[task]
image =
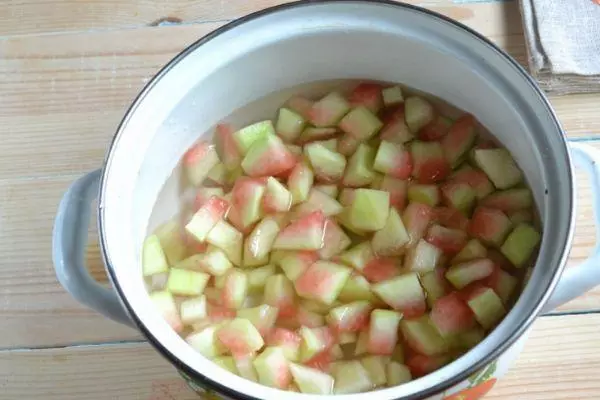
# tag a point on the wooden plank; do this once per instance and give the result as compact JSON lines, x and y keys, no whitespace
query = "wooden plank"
{"x":137,"y":372}
{"x":63,"y":99}
{"x":51,"y":16}
{"x":75,"y":88}
{"x":67,"y":125}
{"x":34,"y":309}
{"x":31,"y":296}
{"x":560,"y":361}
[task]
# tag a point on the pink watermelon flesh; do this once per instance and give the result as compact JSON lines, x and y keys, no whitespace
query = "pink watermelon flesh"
{"x":435,"y":285}
{"x":435,"y":130}
{"x":260,"y":241}
{"x":346,"y":196}
{"x":330,"y":190}
{"x":503,"y":283}
{"x":289,"y":124}
{"x":472,"y":250}
{"x":300,"y":105}
{"x":312,"y":134}
{"x":309,"y":318}
{"x":295,"y":263}
{"x":286,"y":339}
{"x":360,"y":123}
{"x":420,"y":364}
{"x":328,"y":165}
{"x":247,"y":197}
{"x":419,"y":113}
{"x":272,"y":368}
{"x":392,"y":238}
{"x":451,"y":315}
{"x":240,"y":337}
{"x":422,"y":336}
{"x":393,"y":160}
{"x":300,"y":181}
{"x":477,"y":179}
{"x":235,"y":289}
{"x":359,"y":171}
{"x":509,"y":200}
{"x":218,"y":313}
{"x":416,"y":218}
{"x":267,"y":157}
{"x":262,"y":317}
{"x":335,"y":240}
{"x":203,"y":194}
{"x":490,"y":225}
{"x":487,"y":307}
{"x":460,"y":138}
{"x":521,"y":216}
{"x":207,"y":217}
{"x":226,"y":147}
{"x":245,"y":137}
{"x":460,"y":196}
{"x":392,"y":96}
{"x":383,"y":332}
{"x":462,"y":275}
{"x":276,"y":198}
{"x":322,"y":281}
{"x":450,"y":241}
{"x":395,"y":129}
{"x":450,"y":218}
{"x":403,"y":293}
{"x":381,"y":269}
{"x":397,"y":189}
{"x":198,"y":161}
{"x":423,"y":258}
{"x":351,"y":317}
{"x":429,"y":163}
{"x":329,"y":110}
{"x":426,"y":194}
{"x":279,"y":292}
{"x":305,"y":233}
{"x":347,"y":145}
{"x":368,"y":95}
{"x":358,"y":256}
{"x":165,"y":305}
{"x":316,"y":201}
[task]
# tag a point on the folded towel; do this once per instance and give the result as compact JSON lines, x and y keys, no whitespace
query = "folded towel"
{"x":563,"y":44}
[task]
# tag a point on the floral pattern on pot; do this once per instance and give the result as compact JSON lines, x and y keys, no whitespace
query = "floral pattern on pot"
{"x":474,"y":388}
{"x":480,"y":383}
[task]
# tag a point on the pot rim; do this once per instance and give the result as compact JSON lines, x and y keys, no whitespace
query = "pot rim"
{"x":515,"y":334}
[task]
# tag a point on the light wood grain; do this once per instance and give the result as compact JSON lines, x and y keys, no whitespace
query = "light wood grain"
{"x":49,"y":16}
{"x":560,"y":361}
{"x":34,"y":309}
{"x":137,"y":372}
{"x":63,"y":96}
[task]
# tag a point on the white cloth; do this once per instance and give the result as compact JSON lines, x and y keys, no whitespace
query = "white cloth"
{"x":563,"y":44}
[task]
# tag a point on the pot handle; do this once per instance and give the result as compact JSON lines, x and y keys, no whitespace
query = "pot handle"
{"x":69,"y":241}
{"x":578,"y":280}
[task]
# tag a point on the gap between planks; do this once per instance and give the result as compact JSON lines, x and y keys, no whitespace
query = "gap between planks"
{"x":48,"y":17}
{"x":101,"y":344}
{"x":559,"y":362}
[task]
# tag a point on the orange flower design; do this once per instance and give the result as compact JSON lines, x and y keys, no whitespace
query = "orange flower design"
{"x":475,"y":392}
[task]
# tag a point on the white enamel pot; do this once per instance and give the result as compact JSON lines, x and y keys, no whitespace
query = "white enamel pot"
{"x":294,"y":44}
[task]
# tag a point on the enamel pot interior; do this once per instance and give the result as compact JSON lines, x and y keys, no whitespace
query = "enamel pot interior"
{"x":311,"y":41}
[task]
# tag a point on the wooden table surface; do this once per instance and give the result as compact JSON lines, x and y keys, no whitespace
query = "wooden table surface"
{"x":68,"y":71}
